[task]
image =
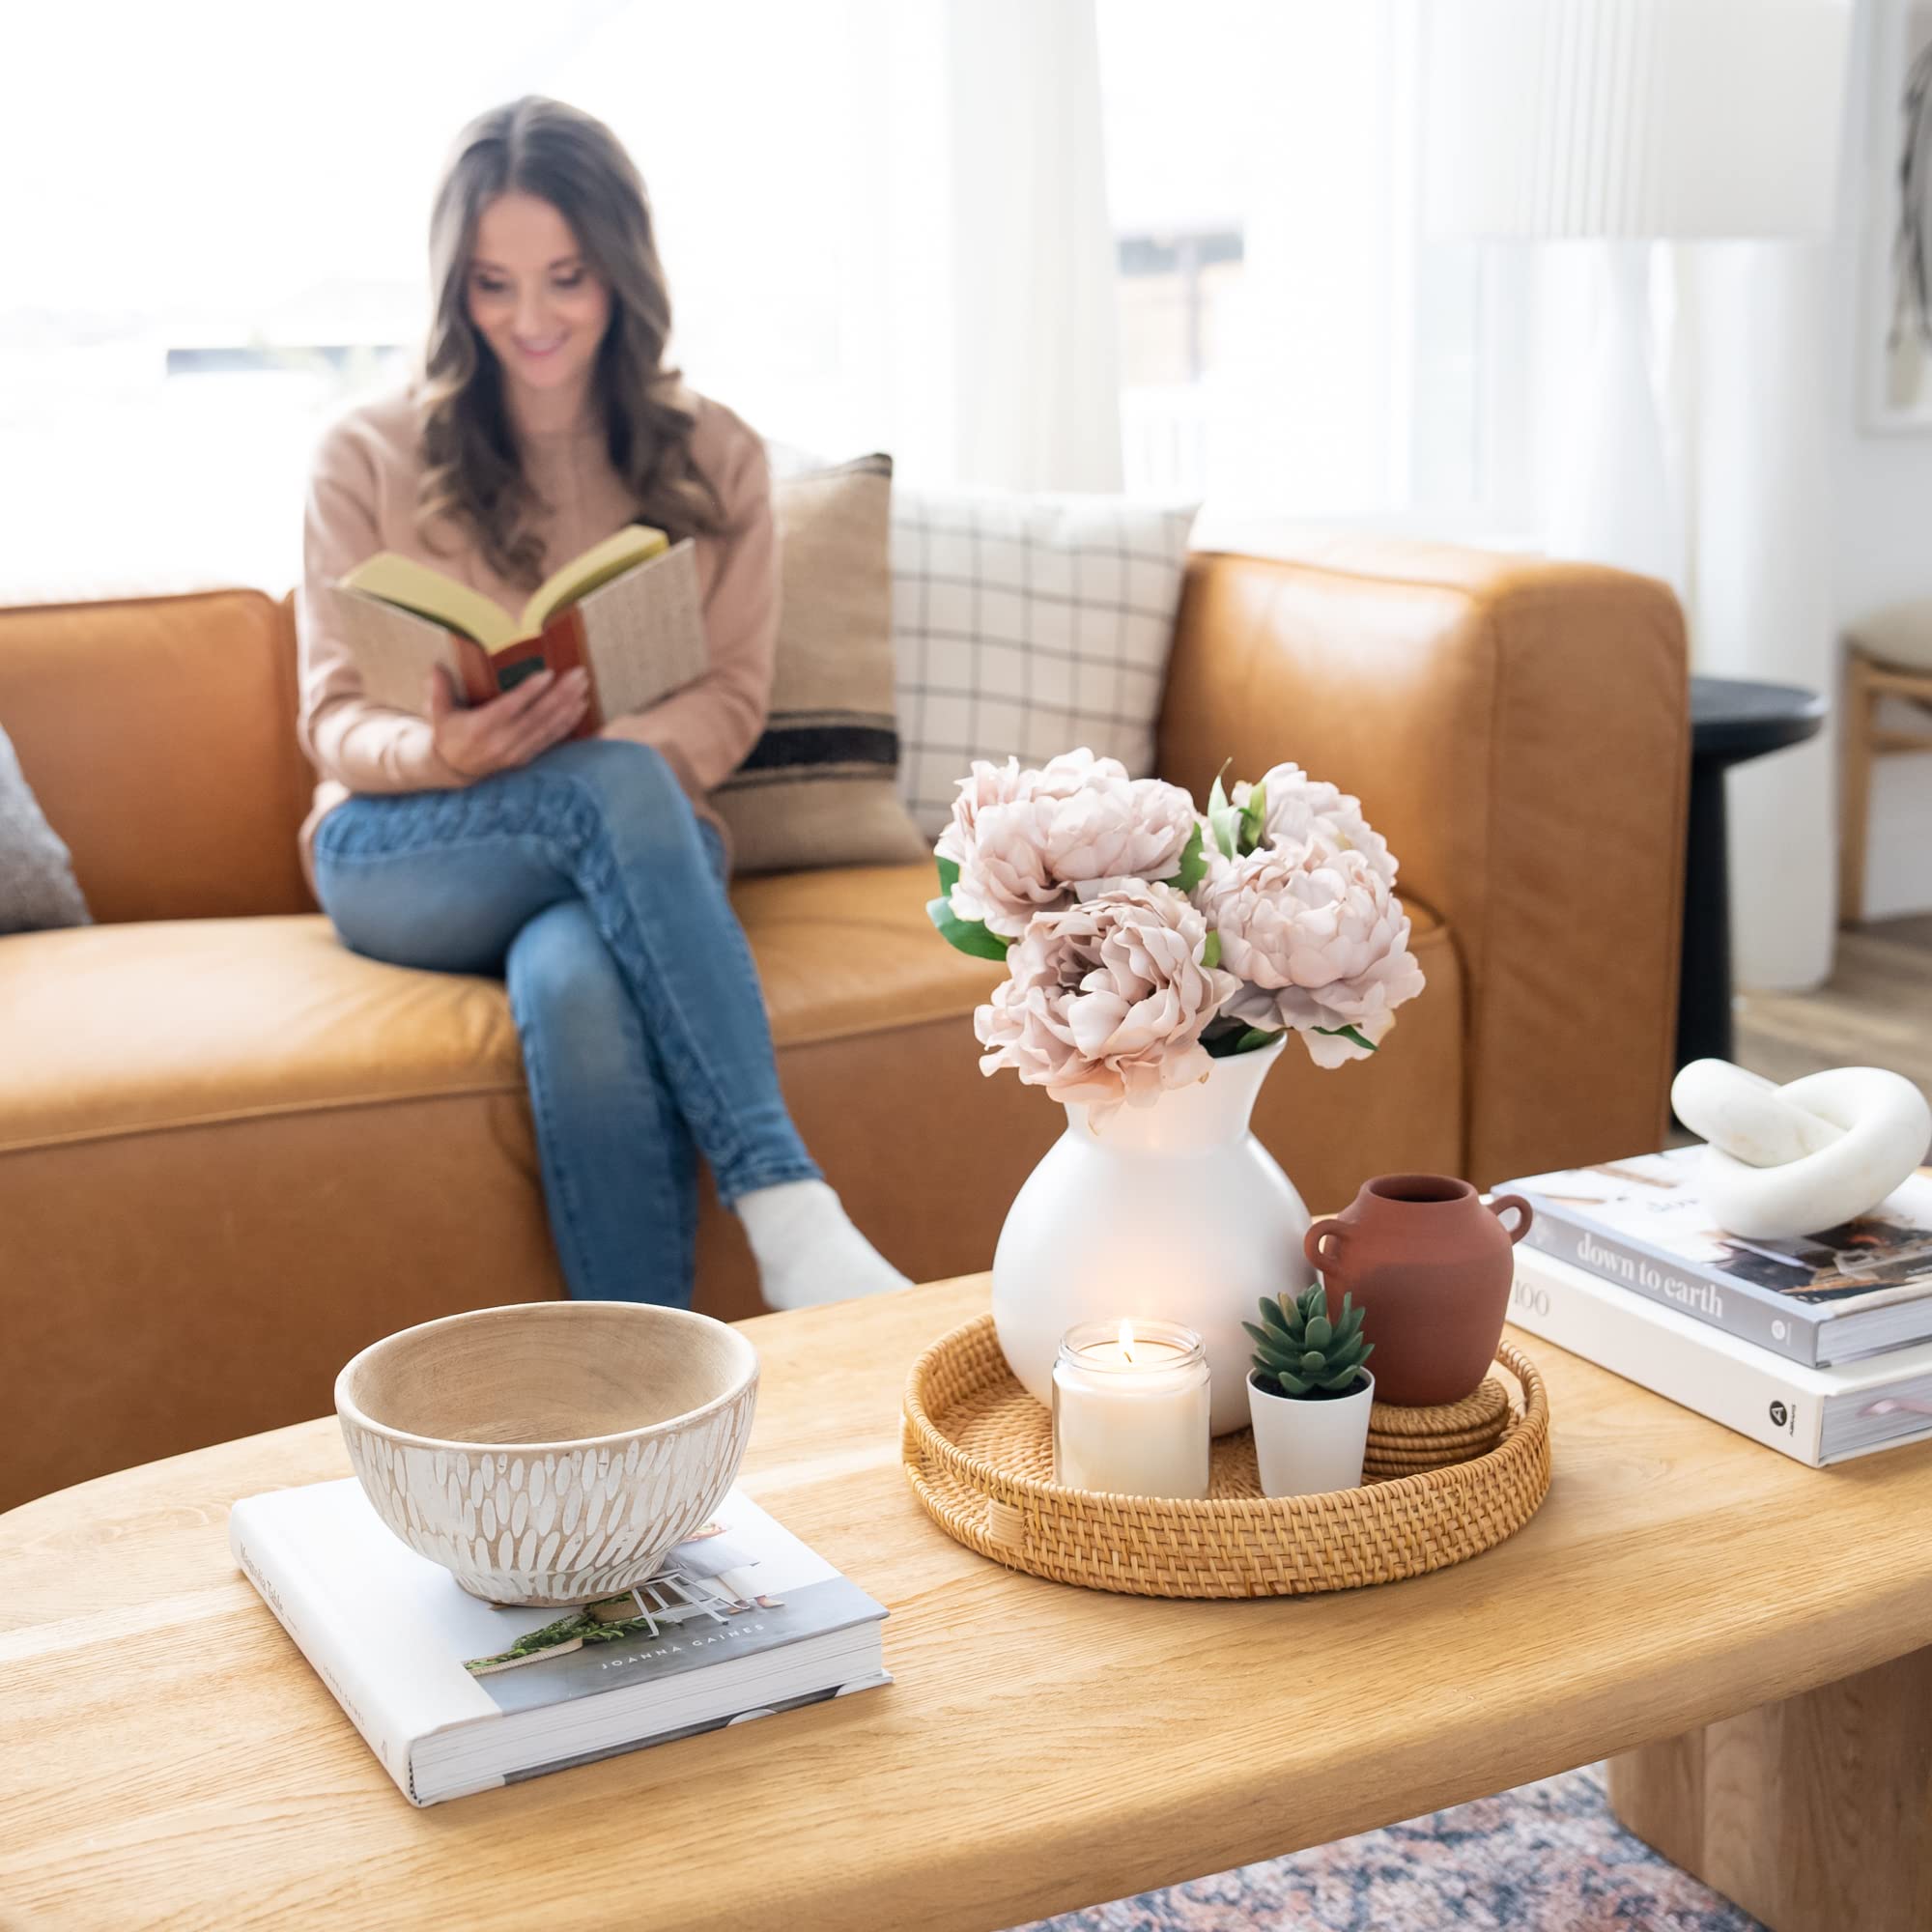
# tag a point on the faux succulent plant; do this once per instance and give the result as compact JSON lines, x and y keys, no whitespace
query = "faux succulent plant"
{"x":1300,"y":1354}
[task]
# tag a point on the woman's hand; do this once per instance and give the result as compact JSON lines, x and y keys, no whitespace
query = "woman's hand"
{"x":507,"y":731}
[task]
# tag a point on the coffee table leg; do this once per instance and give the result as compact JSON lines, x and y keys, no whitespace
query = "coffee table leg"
{"x":1815,"y":1815}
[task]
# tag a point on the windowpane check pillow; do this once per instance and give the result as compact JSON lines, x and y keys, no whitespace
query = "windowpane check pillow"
{"x":1024,"y":626}
{"x":37,"y":882}
{"x":821,"y":786}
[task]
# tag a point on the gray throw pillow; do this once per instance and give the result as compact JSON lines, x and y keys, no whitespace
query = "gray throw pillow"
{"x":37,"y":882}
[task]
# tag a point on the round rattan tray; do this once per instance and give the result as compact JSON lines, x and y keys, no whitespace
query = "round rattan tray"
{"x":979,"y":1451}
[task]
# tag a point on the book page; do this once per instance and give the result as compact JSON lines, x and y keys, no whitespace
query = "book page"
{"x":643,"y":631}
{"x":394,"y":652}
{"x":416,"y":587}
{"x":635,"y":543}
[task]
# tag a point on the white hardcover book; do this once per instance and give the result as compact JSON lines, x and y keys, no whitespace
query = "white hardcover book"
{"x":1817,"y":1416}
{"x":456,"y":1695}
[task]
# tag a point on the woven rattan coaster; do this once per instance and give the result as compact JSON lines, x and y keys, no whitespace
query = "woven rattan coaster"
{"x":1478,"y":1417}
{"x":1377,"y":1467}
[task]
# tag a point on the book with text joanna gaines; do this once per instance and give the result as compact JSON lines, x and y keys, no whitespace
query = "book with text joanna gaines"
{"x":455,"y":1695}
{"x":628,"y":611}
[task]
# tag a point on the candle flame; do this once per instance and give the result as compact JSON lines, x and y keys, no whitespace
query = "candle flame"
{"x":1127,"y":1340}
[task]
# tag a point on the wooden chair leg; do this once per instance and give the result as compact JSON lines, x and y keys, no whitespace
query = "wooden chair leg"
{"x":1855,"y":808}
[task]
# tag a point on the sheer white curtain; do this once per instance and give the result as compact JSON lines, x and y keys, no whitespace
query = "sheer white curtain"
{"x":1760,"y":494}
{"x":885,"y":222}
{"x":1034,"y":376}
{"x":1741,"y":342}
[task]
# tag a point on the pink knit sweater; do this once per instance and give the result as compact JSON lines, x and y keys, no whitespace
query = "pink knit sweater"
{"x":362,"y":497}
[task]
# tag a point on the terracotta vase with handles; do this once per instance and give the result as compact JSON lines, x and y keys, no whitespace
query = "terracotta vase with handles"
{"x":1430,"y":1262}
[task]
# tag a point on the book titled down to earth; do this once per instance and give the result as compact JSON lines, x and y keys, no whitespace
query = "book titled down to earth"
{"x":628,"y":611}
{"x":456,"y":1695}
{"x":1832,"y":1295}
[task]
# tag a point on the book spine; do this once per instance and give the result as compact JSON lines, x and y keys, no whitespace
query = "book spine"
{"x":279,"y":1586}
{"x":564,"y":650}
{"x":480,"y":679}
{"x":1666,"y":1353}
{"x":1690,"y":1290}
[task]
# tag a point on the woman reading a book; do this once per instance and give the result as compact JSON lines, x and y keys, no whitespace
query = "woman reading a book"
{"x":474,"y":839}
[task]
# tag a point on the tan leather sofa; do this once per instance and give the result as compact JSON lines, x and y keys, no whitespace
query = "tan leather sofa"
{"x":232,"y":1153}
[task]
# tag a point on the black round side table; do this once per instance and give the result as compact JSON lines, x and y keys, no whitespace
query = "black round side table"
{"x":1731,"y":721}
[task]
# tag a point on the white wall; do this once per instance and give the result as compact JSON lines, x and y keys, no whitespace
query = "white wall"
{"x":1882,"y":537}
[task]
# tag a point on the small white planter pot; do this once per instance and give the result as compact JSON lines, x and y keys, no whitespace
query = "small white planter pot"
{"x":1304,"y":1447}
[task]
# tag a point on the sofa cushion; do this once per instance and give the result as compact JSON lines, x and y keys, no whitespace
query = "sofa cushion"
{"x":159,"y":734}
{"x":192,"y":1022}
{"x":184,"y":1022}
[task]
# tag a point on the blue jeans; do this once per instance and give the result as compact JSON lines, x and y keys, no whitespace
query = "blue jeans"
{"x":587,"y":880}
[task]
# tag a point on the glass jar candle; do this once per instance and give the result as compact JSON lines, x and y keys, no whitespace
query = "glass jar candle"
{"x":1131,"y":1409}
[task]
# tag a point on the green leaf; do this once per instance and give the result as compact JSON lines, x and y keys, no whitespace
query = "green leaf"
{"x":1217,"y":799}
{"x":1253,"y":818}
{"x":948,"y":874}
{"x":1193,"y":864}
{"x":1314,"y":1362}
{"x":1292,"y":1384}
{"x":1319,"y":1332}
{"x":1226,"y":821}
{"x":1210,"y":953}
{"x":1350,"y":1035}
{"x":965,"y":935}
{"x":1260,"y":1335}
{"x":1255,"y":1039}
{"x":1274,"y":1315}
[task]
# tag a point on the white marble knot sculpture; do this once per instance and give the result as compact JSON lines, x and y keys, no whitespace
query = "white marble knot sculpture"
{"x":1803,"y":1157}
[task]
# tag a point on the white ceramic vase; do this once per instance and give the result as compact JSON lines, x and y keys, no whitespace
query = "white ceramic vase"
{"x":1305,"y":1448}
{"x":1173,"y":1212}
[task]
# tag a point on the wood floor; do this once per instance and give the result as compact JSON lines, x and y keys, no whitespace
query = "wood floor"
{"x":1876,"y":1010}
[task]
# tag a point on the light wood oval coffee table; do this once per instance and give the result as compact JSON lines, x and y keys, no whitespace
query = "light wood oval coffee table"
{"x":171,"y":1760}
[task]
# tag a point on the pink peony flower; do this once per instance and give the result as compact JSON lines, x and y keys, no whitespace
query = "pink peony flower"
{"x":1317,"y":939}
{"x":1105,"y":998}
{"x":1026,"y":841}
{"x":1301,"y":811}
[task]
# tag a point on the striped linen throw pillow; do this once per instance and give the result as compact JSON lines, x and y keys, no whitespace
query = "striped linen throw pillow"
{"x":821,"y":786}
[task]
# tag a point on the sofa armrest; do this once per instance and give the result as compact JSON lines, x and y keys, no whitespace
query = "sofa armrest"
{"x":1518,"y":730}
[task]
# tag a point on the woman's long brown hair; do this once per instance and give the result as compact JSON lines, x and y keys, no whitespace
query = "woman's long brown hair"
{"x":568,"y":159}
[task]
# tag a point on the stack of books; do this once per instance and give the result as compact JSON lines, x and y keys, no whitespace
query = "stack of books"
{"x":741,"y":1621}
{"x":1819,"y":1346}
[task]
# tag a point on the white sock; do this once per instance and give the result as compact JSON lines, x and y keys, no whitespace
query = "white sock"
{"x":808,"y":1250}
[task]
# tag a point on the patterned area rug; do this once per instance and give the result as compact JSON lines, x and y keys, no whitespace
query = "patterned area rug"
{"x":1549,"y":1858}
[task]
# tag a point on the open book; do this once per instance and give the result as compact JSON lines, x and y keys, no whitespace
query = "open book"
{"x":628,"y":610}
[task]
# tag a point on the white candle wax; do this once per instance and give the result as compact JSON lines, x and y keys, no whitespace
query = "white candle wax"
{"x":1131,"y":1415}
